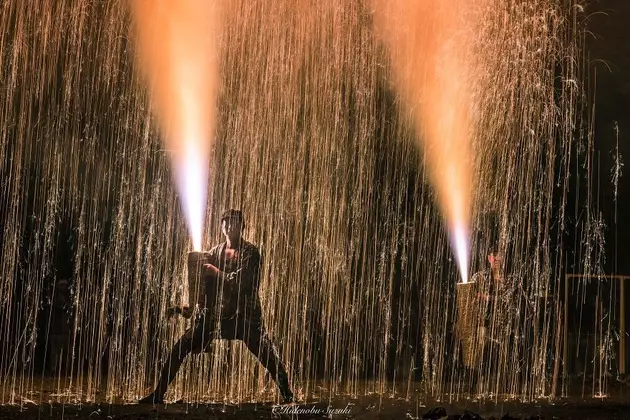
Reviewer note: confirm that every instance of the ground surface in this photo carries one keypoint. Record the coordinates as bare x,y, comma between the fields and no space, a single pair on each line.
353,409
48,403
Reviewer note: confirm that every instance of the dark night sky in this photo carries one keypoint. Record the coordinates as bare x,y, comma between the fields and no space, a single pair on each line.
609,47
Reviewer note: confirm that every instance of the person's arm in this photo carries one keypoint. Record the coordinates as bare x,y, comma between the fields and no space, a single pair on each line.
250,264
479,280
212,257
511,290
184,311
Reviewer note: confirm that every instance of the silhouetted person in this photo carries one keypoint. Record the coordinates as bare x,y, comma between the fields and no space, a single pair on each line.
60,327
498,298
502,294
233,310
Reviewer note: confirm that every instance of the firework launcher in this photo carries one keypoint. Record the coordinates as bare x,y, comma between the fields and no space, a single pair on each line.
468,323
196,279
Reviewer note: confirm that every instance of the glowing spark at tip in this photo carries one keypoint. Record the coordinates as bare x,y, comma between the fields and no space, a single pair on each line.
178,51
192,174
460,246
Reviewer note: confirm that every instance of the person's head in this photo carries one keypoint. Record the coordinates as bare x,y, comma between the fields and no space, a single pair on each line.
494,257
232,224
62,286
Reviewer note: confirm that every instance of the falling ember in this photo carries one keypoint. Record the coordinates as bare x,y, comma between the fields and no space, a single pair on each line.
429,54
178,51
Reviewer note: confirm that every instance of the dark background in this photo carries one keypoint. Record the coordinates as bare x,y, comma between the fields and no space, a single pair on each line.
608,52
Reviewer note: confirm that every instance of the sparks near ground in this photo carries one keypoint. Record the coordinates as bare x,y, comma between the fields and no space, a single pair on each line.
178,49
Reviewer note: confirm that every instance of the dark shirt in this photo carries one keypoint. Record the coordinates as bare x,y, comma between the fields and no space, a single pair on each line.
61,313
236,288
499,309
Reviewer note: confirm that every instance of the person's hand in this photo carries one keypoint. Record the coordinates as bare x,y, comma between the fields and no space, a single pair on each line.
210,269
173,310
483,296
187,312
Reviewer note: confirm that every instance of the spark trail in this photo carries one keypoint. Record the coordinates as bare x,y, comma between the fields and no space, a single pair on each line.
430,46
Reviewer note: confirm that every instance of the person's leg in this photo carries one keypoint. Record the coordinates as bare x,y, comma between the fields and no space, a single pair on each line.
195,339
259,343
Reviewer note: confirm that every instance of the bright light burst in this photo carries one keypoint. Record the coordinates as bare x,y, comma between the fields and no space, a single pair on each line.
460,244
433,70
192,182
178,48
